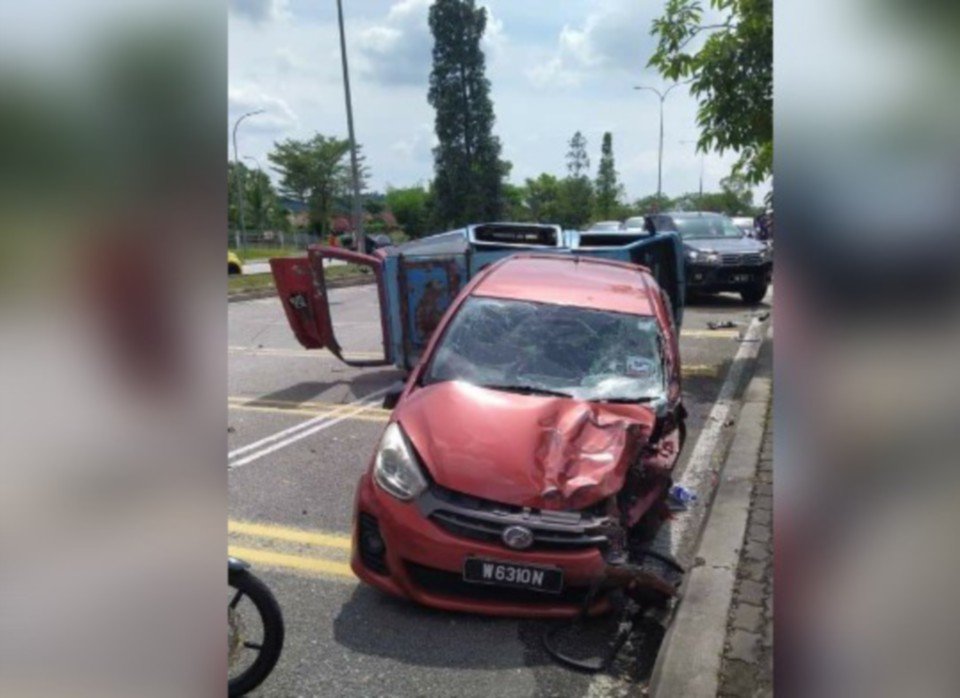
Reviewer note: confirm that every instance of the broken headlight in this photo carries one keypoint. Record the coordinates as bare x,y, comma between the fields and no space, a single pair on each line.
396,468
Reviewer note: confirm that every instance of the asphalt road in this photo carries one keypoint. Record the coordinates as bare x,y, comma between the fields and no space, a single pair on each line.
291,499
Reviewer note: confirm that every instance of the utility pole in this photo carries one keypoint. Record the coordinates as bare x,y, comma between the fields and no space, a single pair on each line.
236,159
663,97
357,212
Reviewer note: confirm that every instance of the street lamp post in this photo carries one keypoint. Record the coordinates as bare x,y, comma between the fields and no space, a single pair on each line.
236,159
663,97
702,160
355,168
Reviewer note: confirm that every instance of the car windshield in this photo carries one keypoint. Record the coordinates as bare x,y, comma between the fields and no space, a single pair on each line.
541,348
707,227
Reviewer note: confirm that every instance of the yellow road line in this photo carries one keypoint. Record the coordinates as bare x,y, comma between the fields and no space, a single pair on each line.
294,562
299,404
711,334
302,353
699,370
293,535
380,415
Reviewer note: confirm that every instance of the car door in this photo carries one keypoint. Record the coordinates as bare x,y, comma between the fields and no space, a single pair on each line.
302,289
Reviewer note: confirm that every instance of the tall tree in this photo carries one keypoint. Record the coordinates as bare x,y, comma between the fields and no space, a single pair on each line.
609,191
469,174
314,172
731,74
577,187
578,162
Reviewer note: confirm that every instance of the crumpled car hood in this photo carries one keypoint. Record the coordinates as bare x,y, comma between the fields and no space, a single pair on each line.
527,450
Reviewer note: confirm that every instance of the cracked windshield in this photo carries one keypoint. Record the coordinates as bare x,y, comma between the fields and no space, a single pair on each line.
550,349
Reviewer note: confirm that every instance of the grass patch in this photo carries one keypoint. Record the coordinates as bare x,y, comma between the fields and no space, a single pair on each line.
255,282
251,254
249,282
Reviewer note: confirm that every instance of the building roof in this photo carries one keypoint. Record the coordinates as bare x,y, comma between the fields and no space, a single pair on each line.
587,282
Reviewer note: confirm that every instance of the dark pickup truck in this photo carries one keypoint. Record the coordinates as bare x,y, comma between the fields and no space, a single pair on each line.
718,256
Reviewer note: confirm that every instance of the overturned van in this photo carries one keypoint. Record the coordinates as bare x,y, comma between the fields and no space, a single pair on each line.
417,281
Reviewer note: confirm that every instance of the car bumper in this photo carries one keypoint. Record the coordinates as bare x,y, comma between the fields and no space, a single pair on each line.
705,277
423,562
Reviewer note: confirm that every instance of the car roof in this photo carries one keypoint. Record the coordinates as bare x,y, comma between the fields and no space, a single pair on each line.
586,282
692,214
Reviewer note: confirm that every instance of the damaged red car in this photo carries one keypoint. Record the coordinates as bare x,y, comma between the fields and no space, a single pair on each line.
532,445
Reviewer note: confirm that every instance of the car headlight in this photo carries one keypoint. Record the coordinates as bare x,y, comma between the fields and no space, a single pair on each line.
396,468
693,255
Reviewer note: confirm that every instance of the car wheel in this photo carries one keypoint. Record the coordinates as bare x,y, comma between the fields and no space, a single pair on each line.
233,269
753,294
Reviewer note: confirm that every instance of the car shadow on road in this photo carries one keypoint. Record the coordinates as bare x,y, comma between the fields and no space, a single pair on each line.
724,301
359,385
373,623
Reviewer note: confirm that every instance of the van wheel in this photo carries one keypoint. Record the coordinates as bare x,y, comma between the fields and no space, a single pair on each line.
753,294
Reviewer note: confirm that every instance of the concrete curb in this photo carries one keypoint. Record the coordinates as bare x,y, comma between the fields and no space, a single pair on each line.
689,660
271,291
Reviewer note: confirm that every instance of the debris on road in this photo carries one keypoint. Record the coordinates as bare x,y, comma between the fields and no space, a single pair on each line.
722,325
680,498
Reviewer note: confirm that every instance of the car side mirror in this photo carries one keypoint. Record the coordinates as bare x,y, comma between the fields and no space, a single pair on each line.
392,397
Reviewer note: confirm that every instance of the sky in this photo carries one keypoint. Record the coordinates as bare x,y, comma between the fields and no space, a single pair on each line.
555,67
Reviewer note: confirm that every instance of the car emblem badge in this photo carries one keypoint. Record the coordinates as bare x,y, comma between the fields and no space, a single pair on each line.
517,537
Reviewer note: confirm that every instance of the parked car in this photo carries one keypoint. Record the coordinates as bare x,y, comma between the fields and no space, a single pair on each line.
636,224
606,226
746,224
533,441
378,241
234,265
719,257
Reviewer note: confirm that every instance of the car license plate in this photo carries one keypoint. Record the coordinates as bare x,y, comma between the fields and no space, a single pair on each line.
509,574
742,278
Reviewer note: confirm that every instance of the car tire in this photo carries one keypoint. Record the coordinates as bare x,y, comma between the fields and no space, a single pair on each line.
753,294
233,269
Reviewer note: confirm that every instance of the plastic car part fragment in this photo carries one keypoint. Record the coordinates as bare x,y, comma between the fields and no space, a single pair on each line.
647,599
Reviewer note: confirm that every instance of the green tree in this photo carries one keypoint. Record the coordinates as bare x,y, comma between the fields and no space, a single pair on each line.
734,199
315,172
609,191
543,198
577,188
469,175
731,74
412,209
652,204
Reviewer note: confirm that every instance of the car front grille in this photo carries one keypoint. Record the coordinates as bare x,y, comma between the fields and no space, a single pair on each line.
736,259
444,583
480,519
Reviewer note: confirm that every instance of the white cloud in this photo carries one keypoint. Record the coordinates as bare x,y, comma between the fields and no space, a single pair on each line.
398,50
259,11
278,116
614,38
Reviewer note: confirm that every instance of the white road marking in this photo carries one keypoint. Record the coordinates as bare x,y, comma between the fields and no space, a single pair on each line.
290,435
705,456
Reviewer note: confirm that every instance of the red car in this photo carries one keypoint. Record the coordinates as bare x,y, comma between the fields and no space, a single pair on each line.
532,444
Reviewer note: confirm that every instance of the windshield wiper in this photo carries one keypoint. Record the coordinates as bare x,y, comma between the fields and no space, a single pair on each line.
626,400
526,390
